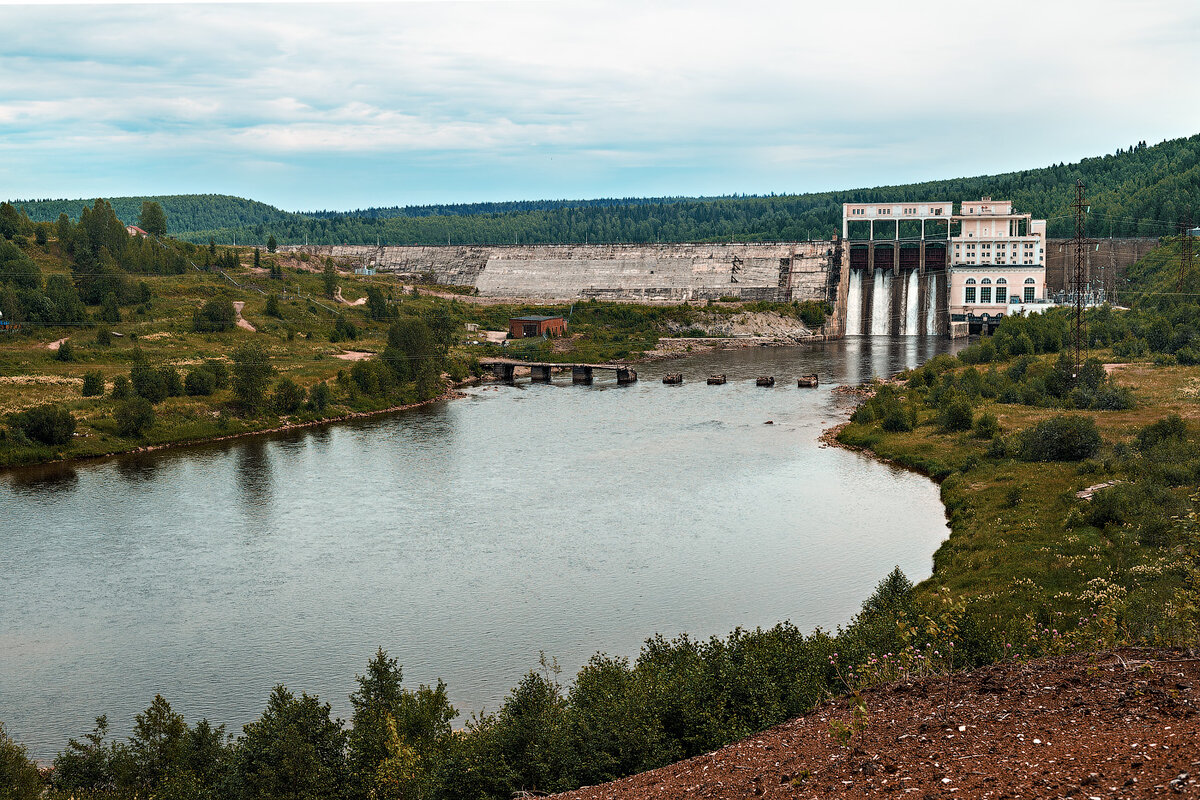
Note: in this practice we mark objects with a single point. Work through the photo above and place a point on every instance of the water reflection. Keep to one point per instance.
(253, 473)
(45, 479)
(139, 468)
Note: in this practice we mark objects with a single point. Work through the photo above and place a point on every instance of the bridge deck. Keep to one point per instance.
(559, 364)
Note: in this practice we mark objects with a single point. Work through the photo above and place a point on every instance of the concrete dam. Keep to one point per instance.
(650, 272)
(905, 298)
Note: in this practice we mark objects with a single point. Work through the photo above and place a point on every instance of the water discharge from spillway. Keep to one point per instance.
(912, 306)
(854, 301)
(931, 303)
(881, 303)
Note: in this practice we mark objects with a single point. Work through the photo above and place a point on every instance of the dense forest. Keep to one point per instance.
(1137, 191)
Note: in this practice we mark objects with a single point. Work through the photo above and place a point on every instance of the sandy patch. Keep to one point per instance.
(57, 344)
(1109, 369)
(41, 380)
(353, 355)
(242, 323)
(152, 336)
(337, 295)
(496, 337)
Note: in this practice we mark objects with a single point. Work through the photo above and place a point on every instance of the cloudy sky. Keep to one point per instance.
(310, 106)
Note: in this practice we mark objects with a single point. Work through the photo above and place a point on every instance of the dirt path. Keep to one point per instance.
(57, 344)
(238, 305)
(1119, 724)
(337, 295)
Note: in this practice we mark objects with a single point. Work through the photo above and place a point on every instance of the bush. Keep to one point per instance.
(19, 778)
(272, 309)
(147, 381)
(48, 424)
(134, 416)
(93, 383)
(899, 419)
(1067, 437)
(122, 388)
(288, 396)
(957, 416)
(1169, 428)
(220, 372)
(998, 447)
(65, 352)
(200, 382)
(171, 381)
(343, 330)
(103, 337)
(319, 396)
(987, 426)
(217, 314)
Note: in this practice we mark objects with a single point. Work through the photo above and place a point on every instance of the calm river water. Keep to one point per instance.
(464, 538)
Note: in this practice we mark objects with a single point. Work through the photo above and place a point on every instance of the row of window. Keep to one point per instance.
(887, 212)
(984, 291)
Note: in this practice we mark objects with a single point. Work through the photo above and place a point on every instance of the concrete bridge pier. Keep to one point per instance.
(625, 375)
(540, 373)
(581, 374)
(504, 372)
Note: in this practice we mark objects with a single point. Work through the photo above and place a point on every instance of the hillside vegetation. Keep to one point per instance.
(1138, 191)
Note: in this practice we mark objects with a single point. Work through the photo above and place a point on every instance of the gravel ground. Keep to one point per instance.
(1120, 724)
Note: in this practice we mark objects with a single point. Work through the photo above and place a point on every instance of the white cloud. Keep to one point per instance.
(774, 89)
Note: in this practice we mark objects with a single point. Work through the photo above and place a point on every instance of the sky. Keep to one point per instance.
(340, 106)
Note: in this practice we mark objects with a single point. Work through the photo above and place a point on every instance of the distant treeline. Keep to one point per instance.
(1136, 191)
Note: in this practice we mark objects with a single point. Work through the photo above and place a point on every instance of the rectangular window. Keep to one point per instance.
(985, 294)
(1001, 294)
(1028, 294)
(969, 296)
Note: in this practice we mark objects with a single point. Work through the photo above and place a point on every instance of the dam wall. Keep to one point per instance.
(655, 272)
(1105, 262)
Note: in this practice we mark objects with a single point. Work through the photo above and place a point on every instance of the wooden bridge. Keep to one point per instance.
(539, 371)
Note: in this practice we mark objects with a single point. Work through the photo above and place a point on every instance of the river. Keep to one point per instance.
(463, 537)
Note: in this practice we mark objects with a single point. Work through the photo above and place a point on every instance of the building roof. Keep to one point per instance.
(135, 229)
(532, 319)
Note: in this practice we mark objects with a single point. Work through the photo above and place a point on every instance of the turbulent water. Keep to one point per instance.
(464, 538)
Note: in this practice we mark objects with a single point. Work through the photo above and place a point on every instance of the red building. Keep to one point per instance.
(524, 327)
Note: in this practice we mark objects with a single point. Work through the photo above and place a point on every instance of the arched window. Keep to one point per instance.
(969, 291)
(971, 281)
(1030, 290)
(1001, 280)
(1030, 280)
(986, 280)
(985, 291)
(1001, 290)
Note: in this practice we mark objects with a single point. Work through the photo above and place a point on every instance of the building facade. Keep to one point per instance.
(997, 263)
(525, 327)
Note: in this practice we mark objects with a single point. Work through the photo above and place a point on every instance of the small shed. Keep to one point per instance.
(525, 327)
(134, 230)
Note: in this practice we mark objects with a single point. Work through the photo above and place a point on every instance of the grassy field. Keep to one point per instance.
(297, 340)
(1022, 543)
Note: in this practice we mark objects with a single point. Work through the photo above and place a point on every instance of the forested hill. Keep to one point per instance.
(1139, 191)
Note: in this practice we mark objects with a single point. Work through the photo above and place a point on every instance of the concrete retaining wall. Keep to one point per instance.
(749, 271)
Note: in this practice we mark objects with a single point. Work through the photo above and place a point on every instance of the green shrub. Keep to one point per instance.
(957, 416)
(48, 424)
(171, 382)
(998, 447)
(93, 383)
(319, 396)
(987, 426)
(343, 330)
(272, 308)
(19, 778)
(217, 314)
(147, 381)
(288, 396)
(219, 370)
(200, 382)
(1067, 437)
(134, 416)
(1169, 428)
(122, 388)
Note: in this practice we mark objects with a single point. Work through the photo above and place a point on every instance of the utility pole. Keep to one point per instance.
(1185, 250)
(1080, 243)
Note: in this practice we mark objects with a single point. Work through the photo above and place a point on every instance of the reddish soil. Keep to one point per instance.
(1117, 724)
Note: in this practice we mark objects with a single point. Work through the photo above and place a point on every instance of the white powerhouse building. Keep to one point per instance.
(914, 268)
(997, 262)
